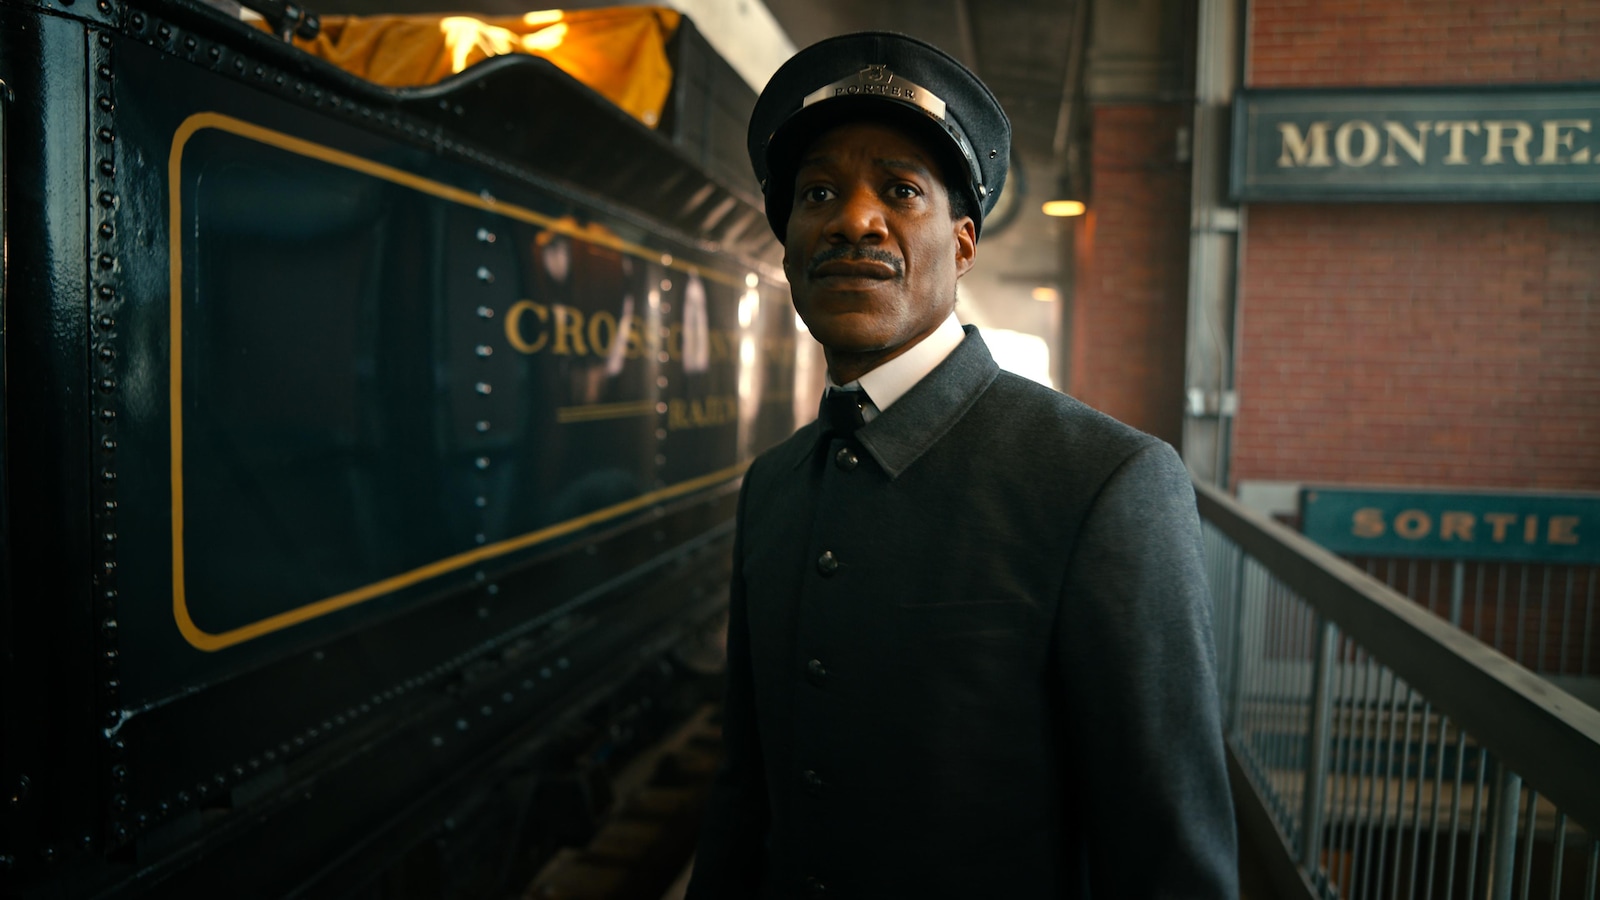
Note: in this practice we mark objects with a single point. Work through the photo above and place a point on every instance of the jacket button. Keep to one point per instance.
(816, 672)
(846, 459)
(815, 887)
(811, 781)
(827, 563)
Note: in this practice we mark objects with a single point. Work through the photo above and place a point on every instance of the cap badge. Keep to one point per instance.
(878, 81)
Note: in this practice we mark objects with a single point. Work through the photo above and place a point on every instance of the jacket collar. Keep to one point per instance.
(904, 431)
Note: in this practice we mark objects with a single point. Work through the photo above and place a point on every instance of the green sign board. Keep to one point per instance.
(1501, 143)
(1402, 522)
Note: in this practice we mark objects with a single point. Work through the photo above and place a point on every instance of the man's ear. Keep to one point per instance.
(966, 235)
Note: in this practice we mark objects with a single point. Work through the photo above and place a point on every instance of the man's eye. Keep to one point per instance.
(904, 191)
(815, 194)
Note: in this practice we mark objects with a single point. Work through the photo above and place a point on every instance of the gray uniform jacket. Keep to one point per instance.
(970, 656)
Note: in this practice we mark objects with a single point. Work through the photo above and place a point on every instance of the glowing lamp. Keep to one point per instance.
(1064, 208)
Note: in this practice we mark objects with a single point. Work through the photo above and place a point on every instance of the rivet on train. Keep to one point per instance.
(484, 388)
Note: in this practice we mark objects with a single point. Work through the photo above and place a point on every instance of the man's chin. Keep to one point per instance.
(841, 338)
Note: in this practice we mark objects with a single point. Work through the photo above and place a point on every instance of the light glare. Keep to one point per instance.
(1064, 208)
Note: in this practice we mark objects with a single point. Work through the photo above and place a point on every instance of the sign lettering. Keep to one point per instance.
(1511, 143)
(1435, 524)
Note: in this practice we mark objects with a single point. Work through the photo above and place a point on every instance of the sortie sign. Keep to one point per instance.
(1411, 523)
(1506, 143)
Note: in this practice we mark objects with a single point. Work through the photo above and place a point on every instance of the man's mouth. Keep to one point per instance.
(845, 270)
(846, 263)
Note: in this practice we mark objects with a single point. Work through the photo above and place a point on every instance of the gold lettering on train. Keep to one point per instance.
(569, 332)
(602, 332)
(635, 346)
(561, 330)
(702, 412)
(514, 333)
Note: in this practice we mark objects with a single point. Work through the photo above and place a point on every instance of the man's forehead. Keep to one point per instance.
(885, 147)
(914, 164)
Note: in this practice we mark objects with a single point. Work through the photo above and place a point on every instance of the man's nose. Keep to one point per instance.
(858, 219)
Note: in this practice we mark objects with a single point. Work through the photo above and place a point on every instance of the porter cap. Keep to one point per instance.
(888, 77)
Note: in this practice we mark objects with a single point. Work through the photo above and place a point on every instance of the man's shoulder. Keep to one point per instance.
(1028, 411)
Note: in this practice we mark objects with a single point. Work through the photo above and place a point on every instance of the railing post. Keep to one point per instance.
(1503, 832)
(1317, 748)
(1236, 663)
(1458, 581)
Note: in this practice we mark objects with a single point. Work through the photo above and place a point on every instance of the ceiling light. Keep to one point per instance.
(1064, 208)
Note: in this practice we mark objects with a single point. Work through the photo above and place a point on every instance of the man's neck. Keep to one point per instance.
(890, 379)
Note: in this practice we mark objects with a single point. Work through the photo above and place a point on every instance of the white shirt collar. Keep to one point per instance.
(890, 381)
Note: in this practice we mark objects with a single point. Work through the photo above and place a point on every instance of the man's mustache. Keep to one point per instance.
(873, 254)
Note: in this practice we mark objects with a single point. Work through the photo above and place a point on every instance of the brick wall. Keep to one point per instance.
(1441, 344)
(1130, 304)
(1318, 43)
(1431, 344)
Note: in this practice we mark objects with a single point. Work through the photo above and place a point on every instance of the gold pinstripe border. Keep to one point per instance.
(209, 641)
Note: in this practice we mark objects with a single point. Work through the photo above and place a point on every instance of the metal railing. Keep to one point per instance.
(1393, 754)
(1545, 616)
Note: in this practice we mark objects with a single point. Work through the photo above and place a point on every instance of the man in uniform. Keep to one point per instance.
(969, 649)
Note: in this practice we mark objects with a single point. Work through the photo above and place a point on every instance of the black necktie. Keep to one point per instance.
(841, 411)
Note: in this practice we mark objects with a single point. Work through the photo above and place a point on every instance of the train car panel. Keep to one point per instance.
(362, 438)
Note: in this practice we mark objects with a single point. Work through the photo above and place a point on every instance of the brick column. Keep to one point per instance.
(1130, 305)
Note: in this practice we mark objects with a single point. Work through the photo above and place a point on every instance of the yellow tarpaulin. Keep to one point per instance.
(620, 52)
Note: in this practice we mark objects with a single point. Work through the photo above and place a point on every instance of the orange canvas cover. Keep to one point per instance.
(620, 52)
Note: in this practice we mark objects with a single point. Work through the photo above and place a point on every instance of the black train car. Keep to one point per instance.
(354, 440)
